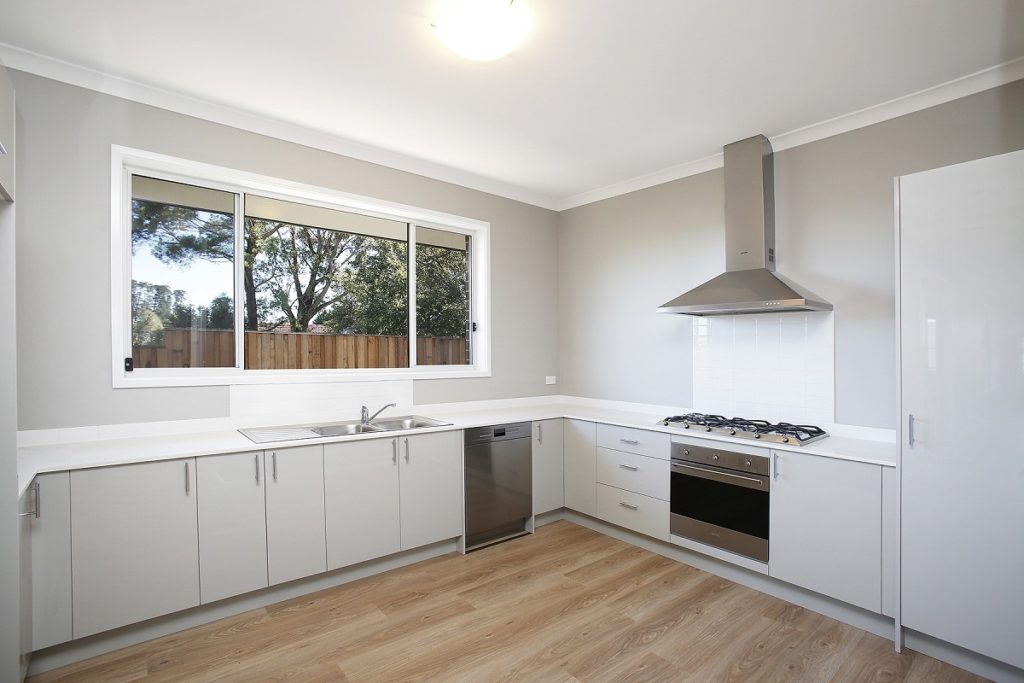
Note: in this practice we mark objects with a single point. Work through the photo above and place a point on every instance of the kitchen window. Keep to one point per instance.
(225, 277)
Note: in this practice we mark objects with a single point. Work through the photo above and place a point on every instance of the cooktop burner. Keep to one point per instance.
(781, 432)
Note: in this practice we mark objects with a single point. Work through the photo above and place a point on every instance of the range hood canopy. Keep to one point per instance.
(749, 284)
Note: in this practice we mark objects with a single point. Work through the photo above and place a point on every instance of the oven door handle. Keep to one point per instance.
(723, 477)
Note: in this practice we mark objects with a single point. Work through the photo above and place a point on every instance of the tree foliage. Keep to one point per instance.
(295, 276)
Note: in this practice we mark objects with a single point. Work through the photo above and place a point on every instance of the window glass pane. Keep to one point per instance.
(328, 291)
(183, 250)
(442, 298)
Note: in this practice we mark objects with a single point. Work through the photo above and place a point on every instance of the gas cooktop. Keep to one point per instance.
(762, 430)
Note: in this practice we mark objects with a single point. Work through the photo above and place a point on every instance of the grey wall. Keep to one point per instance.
(64, 254)
(621, 257)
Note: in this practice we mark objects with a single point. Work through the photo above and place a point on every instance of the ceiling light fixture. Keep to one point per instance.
(482, 30)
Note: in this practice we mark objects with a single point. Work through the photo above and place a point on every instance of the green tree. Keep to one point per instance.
(442, 291)
(373, 291)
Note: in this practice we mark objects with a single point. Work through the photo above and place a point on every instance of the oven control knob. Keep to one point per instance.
(747, 463)
(785, 439)
(714, 456)
(686, 451)
(732, 432)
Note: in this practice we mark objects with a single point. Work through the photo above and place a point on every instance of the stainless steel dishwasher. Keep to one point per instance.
(499, 482)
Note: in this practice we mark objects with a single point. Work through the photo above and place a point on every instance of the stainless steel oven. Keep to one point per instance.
(720, 498)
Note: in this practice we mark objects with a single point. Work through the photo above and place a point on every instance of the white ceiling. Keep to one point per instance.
(602, 91)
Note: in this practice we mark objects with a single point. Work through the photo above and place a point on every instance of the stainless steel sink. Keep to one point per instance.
(350, 428)
(407, 422)
(344, 429)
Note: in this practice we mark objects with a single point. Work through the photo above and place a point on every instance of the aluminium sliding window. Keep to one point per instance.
(234, 280)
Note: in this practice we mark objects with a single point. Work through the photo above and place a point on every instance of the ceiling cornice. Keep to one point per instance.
(922, 99)
(67, 72)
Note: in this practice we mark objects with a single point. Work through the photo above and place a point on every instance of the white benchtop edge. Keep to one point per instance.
(166, 444)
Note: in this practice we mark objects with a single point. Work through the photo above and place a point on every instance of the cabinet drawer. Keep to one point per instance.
(639, 441)
(632, 472)
(643, 514)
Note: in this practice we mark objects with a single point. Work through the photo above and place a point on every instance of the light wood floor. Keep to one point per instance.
(567, 604)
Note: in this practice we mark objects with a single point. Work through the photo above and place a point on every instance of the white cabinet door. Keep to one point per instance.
(431, 486)
(548, 467)
(134, 543)
(961, 246)
(51, 561)
(232, 525)
(580, 444)
(361, 499)
(296, 541)
(826, 527)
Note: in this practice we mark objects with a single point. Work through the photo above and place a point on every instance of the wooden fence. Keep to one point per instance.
(185, 348)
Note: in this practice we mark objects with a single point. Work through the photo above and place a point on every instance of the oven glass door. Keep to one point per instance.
(729, 506)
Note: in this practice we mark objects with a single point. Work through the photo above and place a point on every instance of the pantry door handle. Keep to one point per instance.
(910, 430)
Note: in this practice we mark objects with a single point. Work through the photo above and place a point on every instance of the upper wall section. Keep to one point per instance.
(622, 257)
(65, 134)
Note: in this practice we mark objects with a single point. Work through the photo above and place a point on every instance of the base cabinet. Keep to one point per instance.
(361, 499)
(430, 488)
(134, 543)
(232, 525)
(51, 561)
(548, 466)
(580, 446)
(826, 527)
(296, 530)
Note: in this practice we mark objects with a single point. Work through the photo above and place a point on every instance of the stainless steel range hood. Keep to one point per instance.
(749, 284)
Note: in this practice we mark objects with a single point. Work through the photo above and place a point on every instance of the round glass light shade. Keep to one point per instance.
(482, 30)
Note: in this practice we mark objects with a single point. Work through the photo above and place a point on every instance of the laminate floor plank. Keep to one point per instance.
(565, 605)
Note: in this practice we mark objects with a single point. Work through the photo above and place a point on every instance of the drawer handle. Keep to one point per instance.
(631, 442)
(628, 506)
(631, 468)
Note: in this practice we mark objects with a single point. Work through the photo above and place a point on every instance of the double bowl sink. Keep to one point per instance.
(332, 429)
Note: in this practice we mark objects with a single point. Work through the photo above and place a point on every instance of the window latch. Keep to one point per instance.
(474, 327)
(129, 365)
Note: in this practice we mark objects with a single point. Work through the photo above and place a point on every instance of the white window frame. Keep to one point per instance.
(126, 161)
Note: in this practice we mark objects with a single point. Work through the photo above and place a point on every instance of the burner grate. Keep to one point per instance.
(782, 432)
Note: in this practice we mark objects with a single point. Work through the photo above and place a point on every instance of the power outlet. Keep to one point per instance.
(550, 379)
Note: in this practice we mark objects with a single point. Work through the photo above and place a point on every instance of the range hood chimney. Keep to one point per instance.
(750, 284)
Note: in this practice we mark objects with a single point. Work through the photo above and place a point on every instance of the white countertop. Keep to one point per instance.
(33, 460)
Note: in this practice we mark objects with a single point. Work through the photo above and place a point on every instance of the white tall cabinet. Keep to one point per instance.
(134, 543)
(232, 525)
(961, 325)
(296, 531)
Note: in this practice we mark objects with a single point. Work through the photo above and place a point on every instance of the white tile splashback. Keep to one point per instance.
(774, 366)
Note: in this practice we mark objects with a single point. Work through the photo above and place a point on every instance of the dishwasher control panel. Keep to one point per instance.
(514, 430)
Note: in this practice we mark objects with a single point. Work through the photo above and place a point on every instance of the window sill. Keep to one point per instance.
(231, 376)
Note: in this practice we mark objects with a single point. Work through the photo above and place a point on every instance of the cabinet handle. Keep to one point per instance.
(407, 450)
(631, 442)
(628, 506)
(631, 468)
(775, 474)
(35, 511)
(910, 430)
(540, 433)
(394, 451)
(273, 464)
(256, 462)
(187, 478)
